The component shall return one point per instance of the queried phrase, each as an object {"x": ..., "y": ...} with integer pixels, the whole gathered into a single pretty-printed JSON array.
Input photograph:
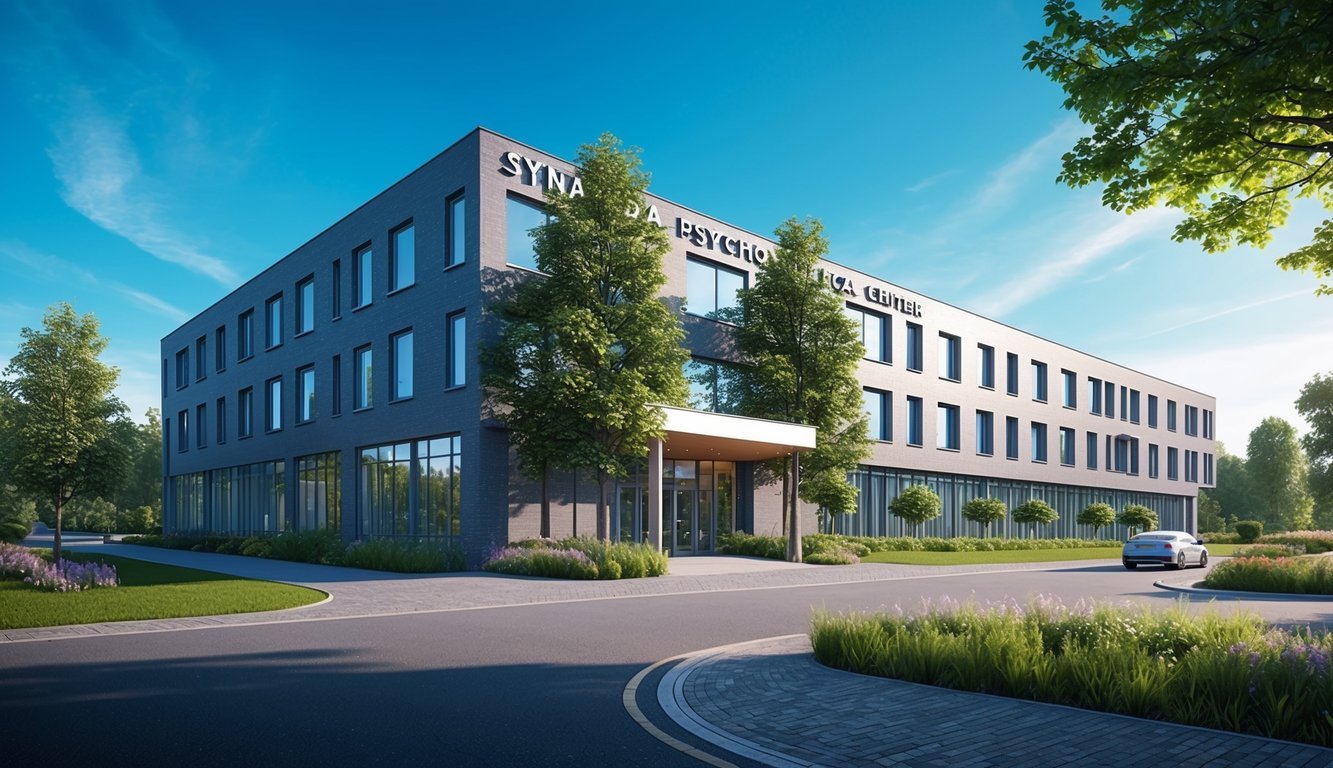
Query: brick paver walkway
[{"x": 772, "y": 702}]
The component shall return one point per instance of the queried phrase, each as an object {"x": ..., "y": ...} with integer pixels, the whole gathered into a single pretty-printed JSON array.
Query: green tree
[
  {"x": 1316, "y": 406},
  {"x": 59, "y": 443},
  {"x": 916, "y": 504},
  {"x": 985, "y": 510},
  {"x": 1136, "y": 517},
  {"x": 1097, "y": 515},
  {"x": 1277, "y": 468},
  {"x": 803, "y": 354},
  {"x": 1234, "y": 490},
  {"x": 1035, "y": 512},
  {"x": 1210, "y": 513},
  {"x": 143, "y": 479},
  {"x": 614, "y": 347},
  {"x": 1220, "y": 109}
]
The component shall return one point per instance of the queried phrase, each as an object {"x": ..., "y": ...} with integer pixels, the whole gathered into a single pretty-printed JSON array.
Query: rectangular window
[
  {"x": 402, "y": 365},
  {"x": 1171, "y": 416},
  {"x": 710, "y": 386},
  {"x": 1208, "y": 424},
  {"x": 337, "y": 289},
  {"x": 1134, "y": 406},
  {"x": 915, "y": 351},
  {"x": 455, "y": 225},
  {"x": 1152, "y": 411},
  {"x": 183, "y": 368},
  {"x": 1095, "y": 396},
  {"x": 245, "y": 335},
  {"x": 1092, "y": 450},
  {"x": 712, "y": 291},
  {"x": 220, "y": 349},
  {"x": 273, "y": 313},
  {"x": 951, "y": 357},
  {"x": 1122, "y": 454},
  {"x": 245, "y": 412},
  {"x": 1192, "y": 420},
  {"x": 402, "y": 257},
  {"x": 985, "y": 433},
  {"x": 363, "y": 387},
  {"x": 875, "y": 332},
  {"x": 305, "y": 305},
  {"x": 1208, "y": 469},
  {"x": 1011, "y": 374},
  {"x": 986, "y": 366},
  {"x": 1067, "y": 457},
  {"x": 411, "y": 489},
  {"x": 305, "y": 394},
  {"x": 363, "y": 275},
  {"x": 1109, "y": 400},
  {"x": 1070, "y": 388},
  {"x": 1124, "y": 403},
  {"x": 222, "y": 420},
  {"x": 879, "y": 407},
  {"x": 456, "y": 376},
  {"x": 336, "y": 405},
  {"x": 1110, "y": 453},
  {"x": 947, "y": 427},
  {"x": 319, "y": 491},
  {"x": 914, "y": 417},
  {"x": 522, "y": 218},
  {"x": 183, "y": 431},
  {"x": 201, "y": 358},
  {"x": 273, "y": 408},
  {"x": 1011, "y": 437},
  {"x": 1152, "y": 461},
  {"x": 1191, "y": 466},
  {"x": 1039, "y": 442},
  {"x": 1039, "y": 379},
  {"x": 201, "y": 425},
  {"x": 1133, "y": 455}
]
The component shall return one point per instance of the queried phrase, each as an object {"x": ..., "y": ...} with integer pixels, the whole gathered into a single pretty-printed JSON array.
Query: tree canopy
[
  {"x": 1221, "y": 109},
  {"x": 1098, "y": 515},
  {"x": 1316, "y": 405},
  {"x": 985, "y": 510},
  {"x": 916, "y": 504},
  {"x": 1137, "y": 517},
  {"x": 1035, "y": 512},
  {"x": 1277, "y": 469}
]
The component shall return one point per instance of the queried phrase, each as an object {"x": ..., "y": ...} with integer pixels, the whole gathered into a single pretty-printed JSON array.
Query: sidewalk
[{"x": 771, "y": 702}]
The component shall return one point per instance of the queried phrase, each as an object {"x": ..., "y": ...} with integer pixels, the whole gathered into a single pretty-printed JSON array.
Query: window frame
[
  {"x": 363, "y": 382},
  {"x": 985, "y": 432},
  {"x": 303, "y": 285},
  {"x": 396, "y": 285},
  {"x": 363, "y": 276},
  {"x": 306, "y": 398},
  {"x": 245, "y": 335},
  {"x": 455, "y": 350},
  {"x": 245, "y": 413},
  {"x": 395, "y": 395},
  {"x": 948, "y": 430},
  {"x": 916, "y": 353},
  {"x": 986, "y": 366},
  {"x": 951, "y": 357},
  {"x": 452, "y": 255},
  {"x": 273, "y": 325},
  {"x": 915, "y": 415},
  {"x": 273, "y": 410}
]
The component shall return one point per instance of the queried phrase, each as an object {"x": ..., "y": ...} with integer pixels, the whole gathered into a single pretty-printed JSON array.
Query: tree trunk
[
  {"x": 603, "y": 519},
  {"x": 60, "y": 510},
  {"x": 794, "y": 527},
  {"x": 786, "y": 479},
  {"x": 545, "y": 531}
]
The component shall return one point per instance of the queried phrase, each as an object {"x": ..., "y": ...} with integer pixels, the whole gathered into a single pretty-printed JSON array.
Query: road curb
[{"x": 1278, "y": 597}]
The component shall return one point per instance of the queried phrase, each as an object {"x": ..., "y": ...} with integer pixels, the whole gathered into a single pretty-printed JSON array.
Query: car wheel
[
  {"x": 1203, "y": 559},
  {"x": 1180, "y": 562},
  {"x": 1128, "y": 565}
]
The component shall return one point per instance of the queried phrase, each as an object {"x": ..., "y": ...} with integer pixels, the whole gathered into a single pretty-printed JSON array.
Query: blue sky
[{"x": 156, "y": 155}]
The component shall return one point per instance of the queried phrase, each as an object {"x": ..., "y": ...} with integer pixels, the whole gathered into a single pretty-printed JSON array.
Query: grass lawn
[
  {"x": 146, "y": 591},
  {"x": 1014, "y": 556}
]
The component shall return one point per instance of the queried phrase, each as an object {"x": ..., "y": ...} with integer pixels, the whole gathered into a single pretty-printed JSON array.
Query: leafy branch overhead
[{"x": 1223, "y": 110}]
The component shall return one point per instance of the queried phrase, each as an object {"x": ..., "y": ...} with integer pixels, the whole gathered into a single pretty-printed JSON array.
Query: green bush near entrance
[{"x": 578, "y": 557}]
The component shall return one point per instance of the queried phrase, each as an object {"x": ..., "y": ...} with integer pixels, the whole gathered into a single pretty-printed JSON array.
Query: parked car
[{"x": 1173, "y": 549}]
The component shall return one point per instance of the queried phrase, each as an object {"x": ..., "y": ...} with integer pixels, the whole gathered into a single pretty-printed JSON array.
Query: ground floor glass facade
[{"x": 412, "y": 489}]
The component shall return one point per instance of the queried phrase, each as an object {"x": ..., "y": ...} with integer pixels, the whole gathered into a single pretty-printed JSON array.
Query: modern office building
[{"x": 339, "y": 388}]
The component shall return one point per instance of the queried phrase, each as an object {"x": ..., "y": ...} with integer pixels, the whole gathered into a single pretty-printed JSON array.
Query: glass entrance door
[{"x": 698, "y": 505}]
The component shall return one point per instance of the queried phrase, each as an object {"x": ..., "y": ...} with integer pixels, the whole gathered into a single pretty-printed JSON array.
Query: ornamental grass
[
  {"x": 1233, "y": 673},
  {"x": 1294, "y": 575}
]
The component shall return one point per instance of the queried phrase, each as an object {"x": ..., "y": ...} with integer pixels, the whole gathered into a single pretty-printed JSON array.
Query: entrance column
[{"x": 655, "y": 493}]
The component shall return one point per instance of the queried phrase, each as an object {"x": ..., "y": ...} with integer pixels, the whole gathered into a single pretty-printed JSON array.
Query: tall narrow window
[
  {"x": 183, "y": 430},
  {"x": 879, "y": 408},
  {"x": 305, "y": 305},
  {"x": 986, "y": 366},
  {"x": 273, "y": 311},
  {"x": 1133, "y": 455},
  {"x": 273, "y": 408},
  {"x": 1192, "y": 421},
  {"x": 873, "y": 328},
  {"x": 1038, "y": 442},
  {"x": 183, "y": 368},
  {"x": 711, "y": 290},
  {"x": 1152, "y": 411},
  {"x": 1070, "y": 381},
  {"x": 1095, "y": 396},
  {"x": 1039, "y": 382},
  {"x": 985, "y": 433},
  {"x": 455, "y": 211},
  {"x": 456, "y": 376},
  {"x": 1134, "y": 406},
  {"x": 946, "y": 427},
  {"x": 522, "y": 218},
  {"x": 201, "y": 425},
  {"x": 245, "y": 335},
  {"x": 336, "y": 402},
  {"x": 1109, "y": 400},
  {"x": 220, "y": 349},
  {"x": 1124, "y": 403},
  {"x": 363, "y": 386},
  {"x": 1011, "y": 374},
  {"x": 401, "y": 349},
  {"x": 1171, "y": 417},
  {"x": 914, "y": 352},
  {"x": 363, "y": 273},
  {"x": 305, "y": 394},
  {"x": 337, "y": 288},
  {"x": 1011, "y": 437},
  {"x": 1208, "y": 424},
  {"x": 914, "y": 416},
  {"x": 222, "y": 420},
  {"x": 1092, "y": 450},
  {"x": 951, "y": 357},
  {"x": 201, "y": 358},
  {"x": 402, "y": 257},
  {"x": 245, "y": 412},
  {"x": 1172, "y": 463},
  {"x": 1153, "y": 468},
  {"x": 1067, "y": 457}
]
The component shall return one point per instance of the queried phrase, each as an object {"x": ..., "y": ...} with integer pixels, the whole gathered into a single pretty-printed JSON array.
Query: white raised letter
[
  {"x": 533, "y": 167},
  {"x": 512, "y": 159}
]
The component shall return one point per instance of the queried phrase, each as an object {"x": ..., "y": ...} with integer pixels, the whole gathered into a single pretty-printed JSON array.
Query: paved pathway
[{"x": 771, "y": 702}]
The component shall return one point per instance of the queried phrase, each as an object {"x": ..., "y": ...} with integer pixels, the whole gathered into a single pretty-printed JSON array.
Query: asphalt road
[{"x": 523, "y": 685}]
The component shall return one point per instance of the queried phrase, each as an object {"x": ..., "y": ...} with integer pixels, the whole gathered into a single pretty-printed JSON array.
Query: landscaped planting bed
[
  {"x": 1233, "y": 673},
  {"x": 1294, "y": 575},
  {"x": 830, "y": 548},
  {"x": 324, "y": 547},
  {"x": 578, "y": 557}
]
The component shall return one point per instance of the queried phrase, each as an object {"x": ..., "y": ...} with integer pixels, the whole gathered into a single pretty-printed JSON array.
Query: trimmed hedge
[
  {"x": 324, "y": 547},
  {"x": 819, "y": 544},
  {"x": 1249, "y": 531},
  {"x": 1314, "y": 542}
]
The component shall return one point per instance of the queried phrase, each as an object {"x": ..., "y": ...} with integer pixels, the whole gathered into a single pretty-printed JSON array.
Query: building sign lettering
[
  {"x": 536, "y": 173},
  {"x": 711, "y": 239},
  {"x": 873, "y": 294}
]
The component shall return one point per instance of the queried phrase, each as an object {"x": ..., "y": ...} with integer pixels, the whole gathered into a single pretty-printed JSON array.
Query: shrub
[
  {"x": 620, "y": 559},
  {"x": 1035, "y": 512},
  {"x": 772, "y": 547},
  {"x": 839, "y": 556},
  {"x": 1220, "y": 538},
  {"x": 1314, "y": 542},
  {"x": 1137, "y": 517},
  {"x": 916, "y": 504},
  {"x": 830, "y": 543},
  {"x": 984, "y": 511},
  {"x": 542, "y": 561},
  {"x": 1240, "y": 675},
  {"x": 1270, "y": 550},
  {"x": 1249, "y": 531},
  {"x": 323, "y": 546},
  {"x": 14, "y": 531},
  {"x": 405, "y": 556},
  {"x": 1293, "y": 575},
  {"x": 254, "y": 546},
  {"x": 1097, "y": 515}
]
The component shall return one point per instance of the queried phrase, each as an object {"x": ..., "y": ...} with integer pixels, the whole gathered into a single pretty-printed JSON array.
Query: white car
[{"x": 1173, "y": 549}]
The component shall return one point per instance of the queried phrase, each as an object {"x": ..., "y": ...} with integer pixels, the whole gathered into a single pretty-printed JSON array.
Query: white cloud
[
  {"x": 1000, "y": 188},
  {"x": 57, "y": 269},
  {"x": 1231, "y": 310},
  {"x": 931, "y": 181}
]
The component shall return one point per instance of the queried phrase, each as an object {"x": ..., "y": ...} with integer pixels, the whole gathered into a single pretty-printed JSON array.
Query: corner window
[
  {"x": 874, "y": 329},
  {"x": 273, "y": 312},
  {"x": 713, "y": 291},
  {"x": 273, "y": 408},
  {"x": 951, "y": 357},
  {"x": 456, "y": 343},
  {"x": 522, "y": 217},
  {"x": 879, "y": 409},
  {"x": 363, "y": 275},
  {"x": 985, "y": 433},
  {"x": 455, "y": 225},
  {"x": 401, "y": 362},
  {"x": 402, "y": 257},
  {"x": 245, "y": 335},
  {"x": 305, "y": 394},
  {"x": 914, "y": 347},
  {"x": 914, "y": 416},
  {"x": 305, "y": 305},
  {"x": 363, "y": 386}
]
